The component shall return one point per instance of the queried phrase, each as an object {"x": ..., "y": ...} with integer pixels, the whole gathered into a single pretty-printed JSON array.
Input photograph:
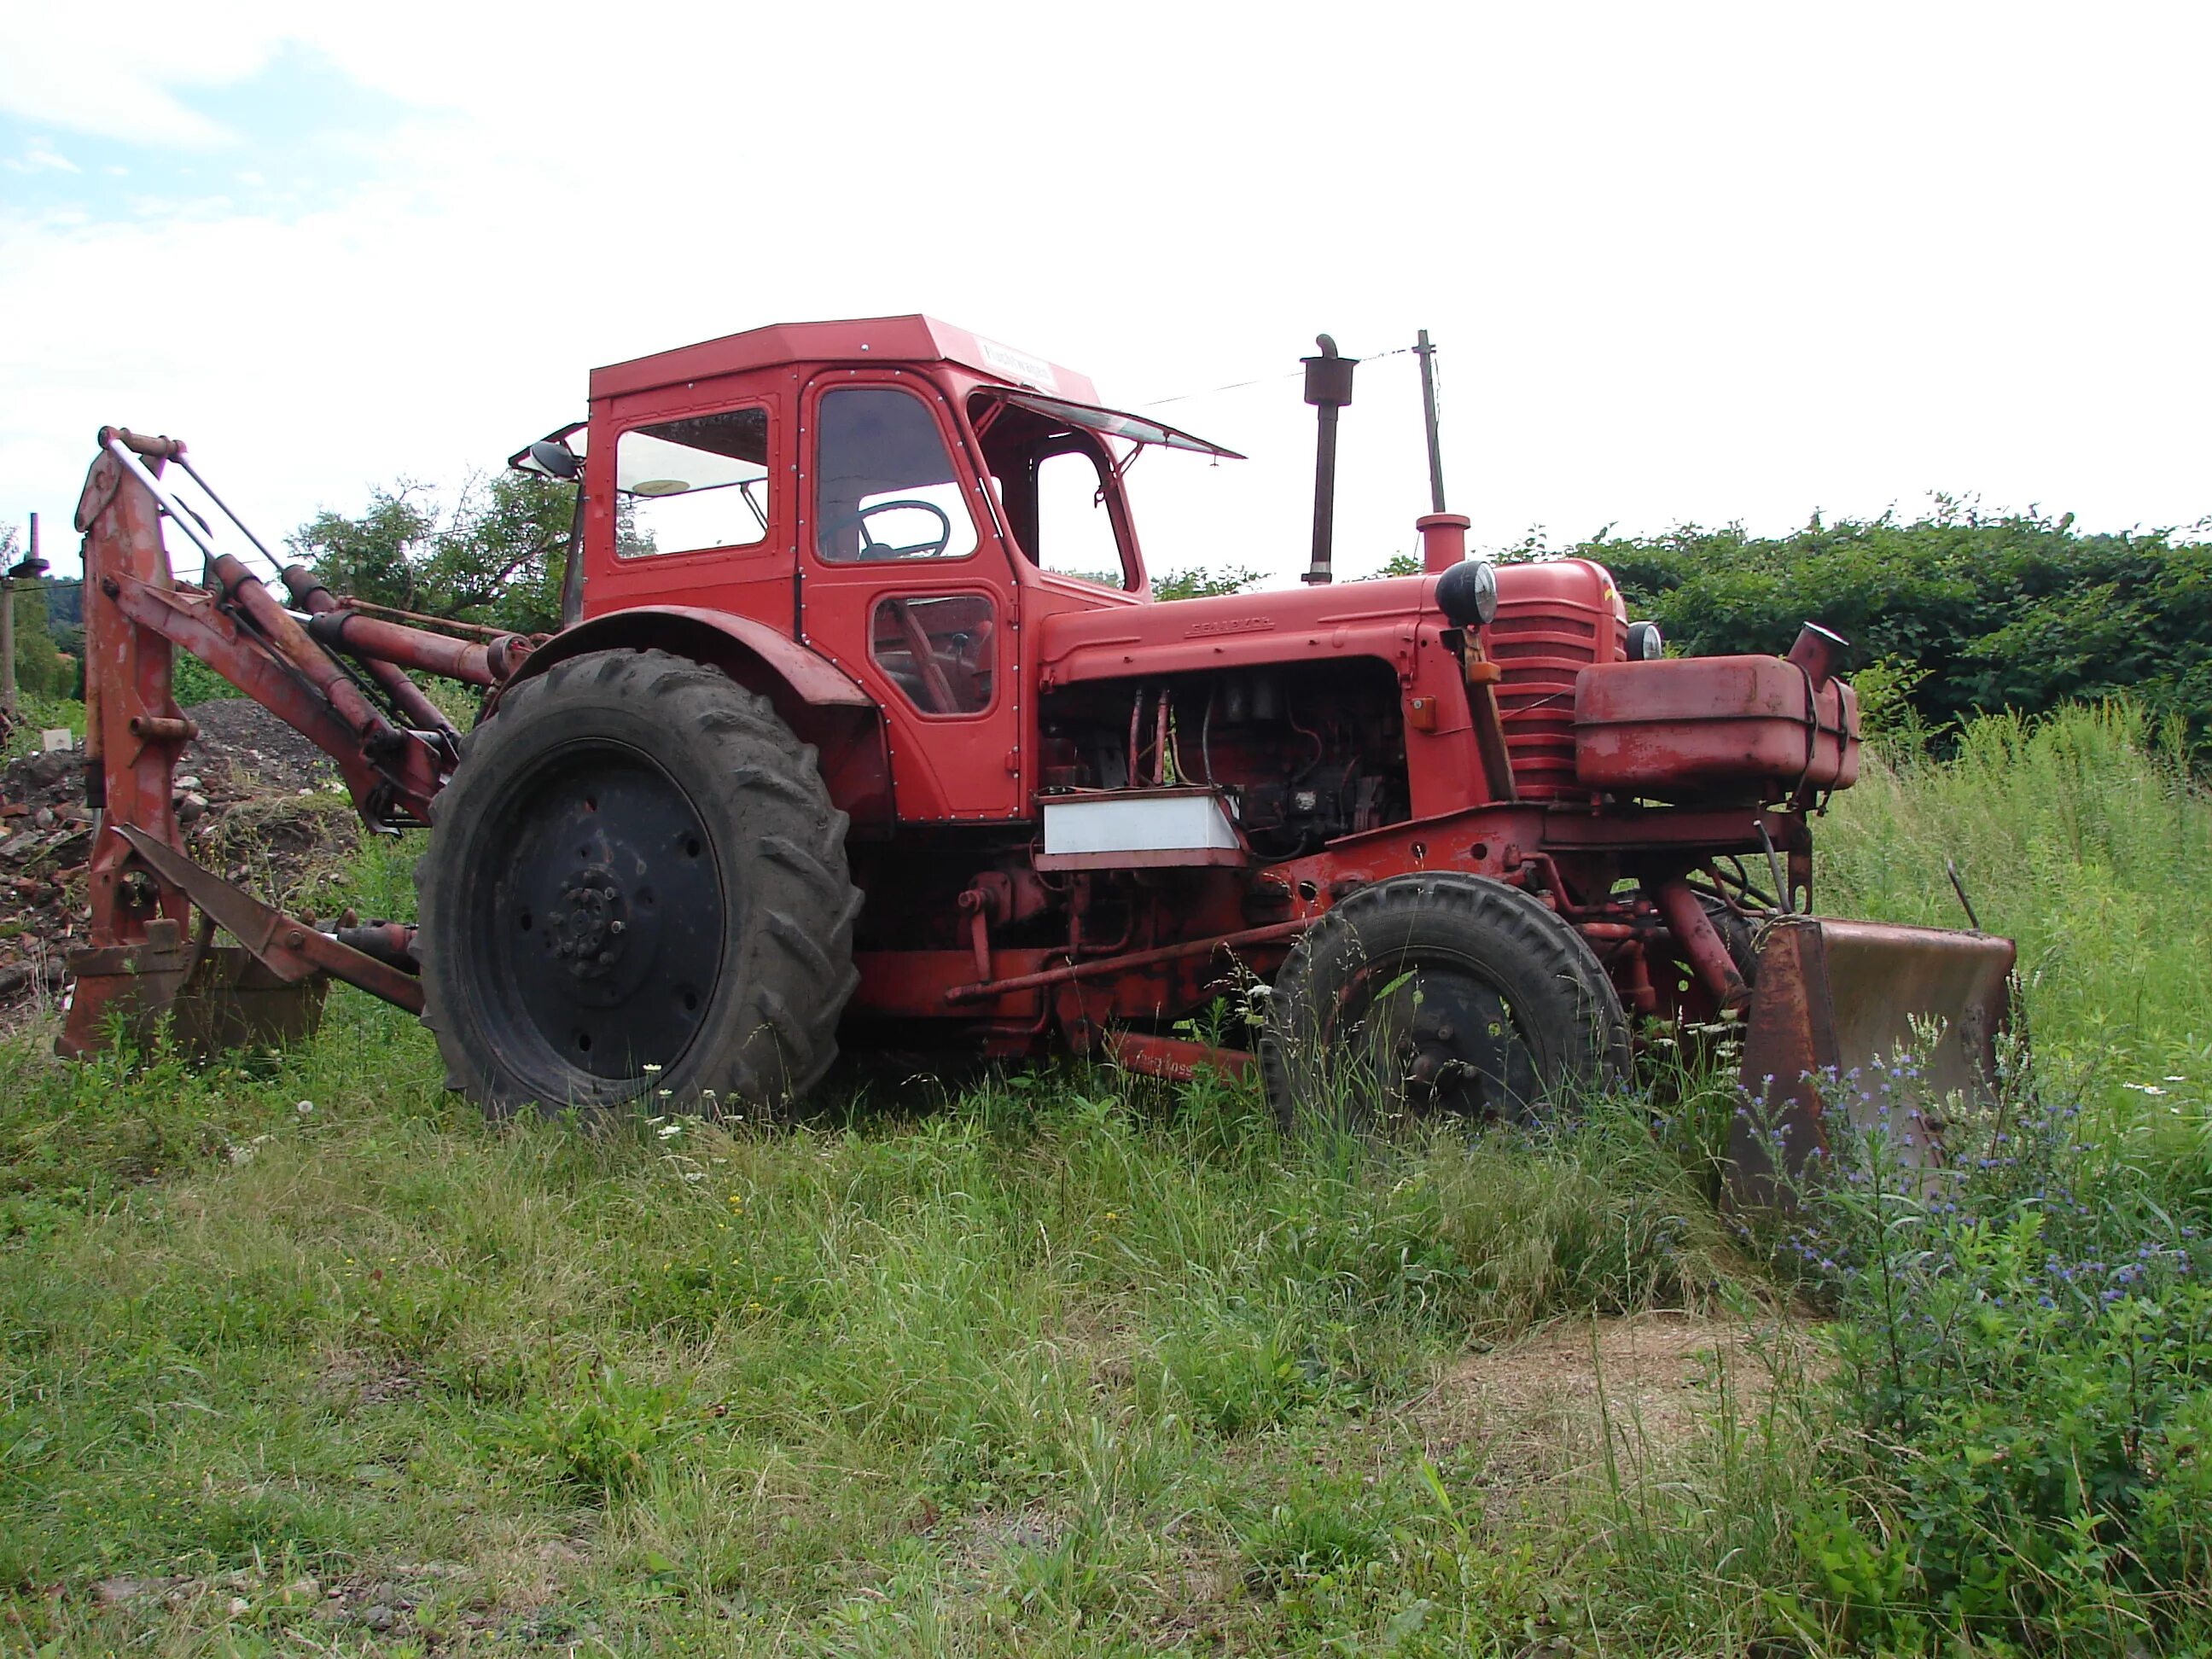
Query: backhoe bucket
[{"x": 1831, "y": 997}]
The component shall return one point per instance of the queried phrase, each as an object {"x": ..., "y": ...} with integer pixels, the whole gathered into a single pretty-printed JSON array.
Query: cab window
[
  {"x": 698, "y": 482},
  {"x": 938, "y": 649},
  {"x": 1074, "y": 531},
  {"x": 1054, "y": 481},
  {"x": 885, "y": 487}
]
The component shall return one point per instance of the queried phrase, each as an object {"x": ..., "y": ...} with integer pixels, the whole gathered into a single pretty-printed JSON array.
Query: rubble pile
[{"x": 256, "y": 801}]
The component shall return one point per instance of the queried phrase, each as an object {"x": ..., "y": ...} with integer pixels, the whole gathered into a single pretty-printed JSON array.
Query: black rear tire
[
  {"x": 636, "y": 887},
  {"x": 1443, "y": 995}
]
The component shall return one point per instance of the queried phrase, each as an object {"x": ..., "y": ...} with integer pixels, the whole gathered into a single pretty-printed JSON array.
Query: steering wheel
[{"x": 872, "y": 548}]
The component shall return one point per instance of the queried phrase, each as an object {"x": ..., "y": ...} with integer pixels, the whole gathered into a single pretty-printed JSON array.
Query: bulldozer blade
[
  {"x": 130, "y": 985},
  {"x": 214, "y": 997},
  {"x": 230, "y": 1000},
  {"x": 1832, "y": 998}
]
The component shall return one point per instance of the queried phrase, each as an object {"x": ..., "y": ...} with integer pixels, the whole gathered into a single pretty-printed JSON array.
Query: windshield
[
  {"x": 1114, "y": 423},
  {"x": 1061, "y": 490}
]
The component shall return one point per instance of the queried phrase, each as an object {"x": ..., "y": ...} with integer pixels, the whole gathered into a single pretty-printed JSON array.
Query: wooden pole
[
  {"x": 8, "y": 630},
  {"x": 1427, "y": 353}
]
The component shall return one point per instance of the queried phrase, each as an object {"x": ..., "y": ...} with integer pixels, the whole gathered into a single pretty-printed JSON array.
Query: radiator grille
[{"x": 1541, "y": 646}]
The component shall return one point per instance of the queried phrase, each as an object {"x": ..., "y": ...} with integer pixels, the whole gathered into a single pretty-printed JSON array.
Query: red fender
[{"x": 813, "y": 696}]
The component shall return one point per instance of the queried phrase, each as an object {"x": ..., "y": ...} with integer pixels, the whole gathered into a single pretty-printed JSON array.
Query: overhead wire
[{"x": 1264, "y": 379}]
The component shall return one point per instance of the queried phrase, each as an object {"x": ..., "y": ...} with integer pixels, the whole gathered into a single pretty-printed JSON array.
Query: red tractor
[{"x": 865, "y": 729}]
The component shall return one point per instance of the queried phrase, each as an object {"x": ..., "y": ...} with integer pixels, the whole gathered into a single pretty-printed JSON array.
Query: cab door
[{"x": 905, "y": 584}]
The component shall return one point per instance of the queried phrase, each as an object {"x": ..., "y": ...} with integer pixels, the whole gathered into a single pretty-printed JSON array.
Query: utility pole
[
  {"x": 1427, "y": 353},
  {"x": 32, "y": 566},
  {"x": 8, "y": 633}
]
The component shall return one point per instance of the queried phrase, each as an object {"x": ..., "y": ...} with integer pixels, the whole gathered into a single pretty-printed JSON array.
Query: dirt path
[{"x": 1645, "y": 1384}]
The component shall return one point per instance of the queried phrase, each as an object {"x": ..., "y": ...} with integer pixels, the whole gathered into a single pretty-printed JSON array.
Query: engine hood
[
  {"x": 1385, "y": 618},
  {"x": 1550, "y": 605}
]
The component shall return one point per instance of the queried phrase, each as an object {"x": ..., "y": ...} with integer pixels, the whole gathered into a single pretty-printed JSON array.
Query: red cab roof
[{"x": 912, "y": 339}]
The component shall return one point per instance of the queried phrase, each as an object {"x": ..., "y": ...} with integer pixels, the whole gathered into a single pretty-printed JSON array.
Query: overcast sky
[{"x": 1683, "y": 263}]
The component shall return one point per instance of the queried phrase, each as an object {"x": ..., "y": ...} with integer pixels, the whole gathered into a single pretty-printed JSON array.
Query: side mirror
[{"x": 555, "y": 459}]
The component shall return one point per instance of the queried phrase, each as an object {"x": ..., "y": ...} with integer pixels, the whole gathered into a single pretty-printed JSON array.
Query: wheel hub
[
  {"x": 608, "y": 920},
  {"x": 1445, "y": 1045},
  {"x": 590, "y": 932}
]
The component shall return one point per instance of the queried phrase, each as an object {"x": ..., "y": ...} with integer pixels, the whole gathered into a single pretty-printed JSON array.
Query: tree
[
  {"x": 1203, "y": 584},
  {"x": 2006, "y": 610},
  {"x": 495, "y": 556}
]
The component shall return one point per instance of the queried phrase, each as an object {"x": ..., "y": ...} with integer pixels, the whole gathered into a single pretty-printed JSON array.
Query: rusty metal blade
[
  {"x": 1836, "y": 996},
  {"x": 291, "y": 950}
]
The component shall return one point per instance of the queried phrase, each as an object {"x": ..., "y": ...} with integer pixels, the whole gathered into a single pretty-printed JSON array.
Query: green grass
[
  {"x": 1067, "y": 1363},
  {"x": 2076, "y": 836},
  {"x": 35, "y": 713}
]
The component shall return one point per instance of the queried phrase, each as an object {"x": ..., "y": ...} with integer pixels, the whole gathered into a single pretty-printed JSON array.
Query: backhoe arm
[{"x": 137, "y": 961}]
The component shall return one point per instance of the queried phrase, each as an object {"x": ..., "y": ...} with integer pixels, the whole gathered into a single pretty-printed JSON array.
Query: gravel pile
[{"x": 257, "y": 802}]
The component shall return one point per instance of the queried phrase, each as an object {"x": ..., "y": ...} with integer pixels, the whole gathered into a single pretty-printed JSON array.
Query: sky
[{"x": 1701, "y": 263}]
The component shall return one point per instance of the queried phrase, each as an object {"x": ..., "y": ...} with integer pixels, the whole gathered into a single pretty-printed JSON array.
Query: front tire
[
  {"x": 635, "y": 886},
  {"x": 1437, "y": 996}
]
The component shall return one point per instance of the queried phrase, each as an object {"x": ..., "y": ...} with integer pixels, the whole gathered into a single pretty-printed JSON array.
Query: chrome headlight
[{"x": 1467, "y": 592}]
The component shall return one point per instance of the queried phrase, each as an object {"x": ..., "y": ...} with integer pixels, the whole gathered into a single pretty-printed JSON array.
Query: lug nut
[
  {"x": 615, "y": 925},
  {"x": 606, "y": 958}
]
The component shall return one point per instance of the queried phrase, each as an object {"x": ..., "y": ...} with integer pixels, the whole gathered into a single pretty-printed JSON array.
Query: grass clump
[{"x": 2024, "y": 1381}]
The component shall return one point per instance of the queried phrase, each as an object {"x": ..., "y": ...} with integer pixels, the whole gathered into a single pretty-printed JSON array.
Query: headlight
[
  {"x": 1467, "y": 592},
  {"x": 1645, "y": 644}
]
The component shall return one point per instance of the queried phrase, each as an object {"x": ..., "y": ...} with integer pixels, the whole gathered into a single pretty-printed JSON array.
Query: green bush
[{"x": 192, "y": 681}]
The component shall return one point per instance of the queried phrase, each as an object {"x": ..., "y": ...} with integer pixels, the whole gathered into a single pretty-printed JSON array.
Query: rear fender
[{"x": 813, "y": 696}]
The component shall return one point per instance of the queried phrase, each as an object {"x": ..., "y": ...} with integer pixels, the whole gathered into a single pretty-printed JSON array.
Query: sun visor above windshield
[{"x": 1137, "y": 429}]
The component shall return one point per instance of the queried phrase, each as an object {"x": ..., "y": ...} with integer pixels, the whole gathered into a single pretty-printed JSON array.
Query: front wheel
[
  {"x": 635, "y": 886},
  {"x": 1437, "y": 996}
]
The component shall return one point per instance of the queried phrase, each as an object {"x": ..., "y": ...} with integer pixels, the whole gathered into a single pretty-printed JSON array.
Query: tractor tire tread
[
  {"x": 787, "y": 973},
  {"x": 1519, "y": 935}
]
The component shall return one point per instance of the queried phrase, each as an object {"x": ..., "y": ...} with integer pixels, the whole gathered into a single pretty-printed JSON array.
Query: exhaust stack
[
  {"x": 1820, "y": 654},
  {"x": 1444, "y": 539},
  {"x": 1328, "y": 388}
]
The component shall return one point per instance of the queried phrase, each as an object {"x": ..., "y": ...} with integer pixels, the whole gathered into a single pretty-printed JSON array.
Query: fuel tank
[{"x": 1688, "y": 728}]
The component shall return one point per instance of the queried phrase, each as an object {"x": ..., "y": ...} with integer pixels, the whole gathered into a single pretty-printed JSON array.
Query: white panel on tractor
[{"x": 1132, "y": 829}]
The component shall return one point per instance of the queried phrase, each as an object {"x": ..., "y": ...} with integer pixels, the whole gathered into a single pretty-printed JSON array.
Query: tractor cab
[{"x": 894, "y": 496}]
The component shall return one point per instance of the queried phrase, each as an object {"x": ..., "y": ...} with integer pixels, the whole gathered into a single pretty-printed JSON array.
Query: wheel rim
[
  {"x": 602, "y": 921},
  {"x": 1435, "y": 1036}
]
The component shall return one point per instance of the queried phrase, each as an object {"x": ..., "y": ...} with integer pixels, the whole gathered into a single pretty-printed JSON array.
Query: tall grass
[
  {"x": 1065, "y": 1362},
  {"x": 2081, "y": 836},
  {"x": 2025, "y": 1371}
]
